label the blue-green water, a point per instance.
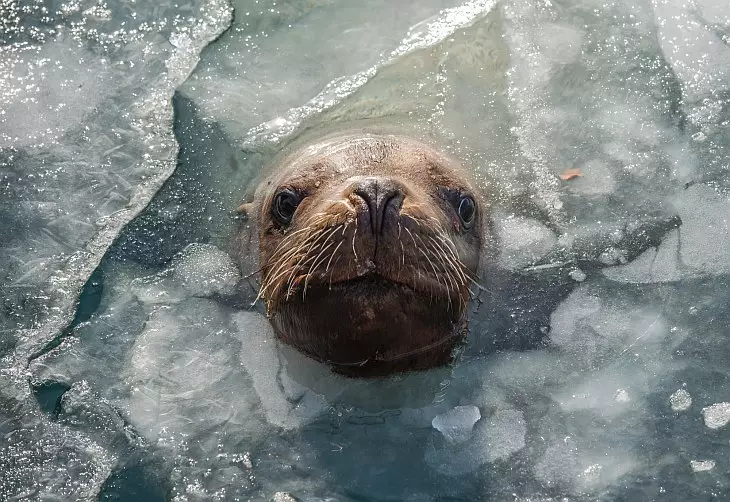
(596, 364)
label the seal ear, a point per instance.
(244, 210)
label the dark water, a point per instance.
(608, 296)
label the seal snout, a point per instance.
(383, 198)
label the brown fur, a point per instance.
(368, 296)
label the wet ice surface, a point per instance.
(597, 361)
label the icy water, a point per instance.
(598, 362)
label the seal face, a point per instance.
(367, 246)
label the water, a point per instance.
(596, 367)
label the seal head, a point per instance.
(367, 245)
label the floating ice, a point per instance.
(87, 139)
(284, 403)
(702, 465)
(494, 438)
(204, 270)
(680, 400)
(578, 275)
(283, 497)
(716, 415)
(165, 376)
(456, 424)
(524, 241)
(505, 433)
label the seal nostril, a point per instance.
(390, 209)
(383, 198)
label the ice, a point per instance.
(495, 438)
(525, 241)
(607, 307)
(702, 465)
(98, 87)
(680, 400)
(456, 424)
(42, 460)
(276, 77)
(506, 431)
(285, 403)
(716, 415)
(205, 270)
(697, 248)
(283, 497)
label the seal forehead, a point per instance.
(338, 158)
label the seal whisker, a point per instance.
(283, 246)
(436, 275)
(447, 265)
(285, 261)
(324, 233)
(453, 253)
(454, 263)
(402, 249)
(315, 263)
(354, 234)
(313, 267)
(332, 255)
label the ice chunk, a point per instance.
(693, 47)
(73, 85)
(283, 497)
(653, 265)
(702, 465)
(705, 231)
(456, 424)
(183, 376)
(98, 147)
(680, 400)
(43, 460)
(716, 415)
(621, 396)
(523, 241)
(281, 86)
(287, 407)
(505, 433)
(577, 275)
(494, 438)
(573, 463)
(204, 270)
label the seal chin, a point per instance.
(371, 326)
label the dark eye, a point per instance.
(467, 211)
(284, 206)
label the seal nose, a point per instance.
(383, 197)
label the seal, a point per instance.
(367, 247)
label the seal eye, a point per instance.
(285, 204)
(467, 211)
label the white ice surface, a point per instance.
(86, 128)
(457, 423)
(698, 248)
(523, 241)
(588, 87)
(205, 270)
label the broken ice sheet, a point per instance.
(702, 465)
(521, 92)
(680, 400)
(716, 415)
(456, 424)
(98, 146)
